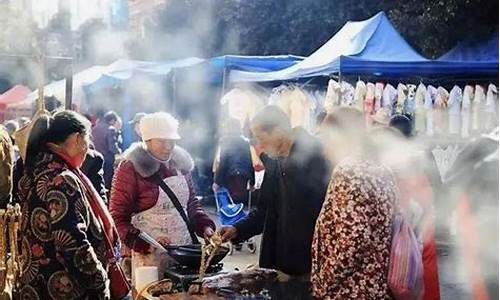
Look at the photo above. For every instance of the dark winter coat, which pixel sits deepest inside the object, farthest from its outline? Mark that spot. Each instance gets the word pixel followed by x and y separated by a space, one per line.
pixel 291 198
pixel 235 160
pixel 93 168
pixel 106 139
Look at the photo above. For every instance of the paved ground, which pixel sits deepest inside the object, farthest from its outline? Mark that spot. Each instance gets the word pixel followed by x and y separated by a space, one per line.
pixel 452 278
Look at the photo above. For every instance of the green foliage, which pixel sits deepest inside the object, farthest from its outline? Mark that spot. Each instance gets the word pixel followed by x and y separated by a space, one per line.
pixel 265 27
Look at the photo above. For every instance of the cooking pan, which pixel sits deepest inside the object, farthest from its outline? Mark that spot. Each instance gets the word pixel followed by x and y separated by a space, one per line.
pixel 190 255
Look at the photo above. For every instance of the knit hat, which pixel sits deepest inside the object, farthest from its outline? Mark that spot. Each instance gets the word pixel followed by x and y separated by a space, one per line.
pixel 160 125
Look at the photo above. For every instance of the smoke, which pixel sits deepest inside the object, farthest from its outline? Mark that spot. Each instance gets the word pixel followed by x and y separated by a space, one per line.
pixel 466 232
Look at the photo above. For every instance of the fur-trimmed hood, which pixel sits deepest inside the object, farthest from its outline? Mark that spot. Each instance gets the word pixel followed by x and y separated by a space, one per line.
pixel 146 165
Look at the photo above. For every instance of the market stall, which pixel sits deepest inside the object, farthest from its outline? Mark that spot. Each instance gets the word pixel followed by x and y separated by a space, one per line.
pixel 11 97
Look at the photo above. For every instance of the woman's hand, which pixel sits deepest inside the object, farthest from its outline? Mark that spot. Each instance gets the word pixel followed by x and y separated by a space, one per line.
pixel 164 241
pixel 208 233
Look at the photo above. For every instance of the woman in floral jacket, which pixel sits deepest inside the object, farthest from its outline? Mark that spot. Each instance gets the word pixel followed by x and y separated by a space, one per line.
pixel 352 239
pixel 63 245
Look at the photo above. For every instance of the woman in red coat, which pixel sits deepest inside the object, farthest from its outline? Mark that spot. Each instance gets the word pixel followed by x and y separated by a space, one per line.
pixel 138 204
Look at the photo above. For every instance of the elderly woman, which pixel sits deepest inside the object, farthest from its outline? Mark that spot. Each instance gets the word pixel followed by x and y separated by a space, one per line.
pixel 352 239
pixel 138 204
pixel 67 235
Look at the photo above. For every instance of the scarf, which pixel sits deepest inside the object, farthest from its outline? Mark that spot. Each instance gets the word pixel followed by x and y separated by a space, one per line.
pixel 97 205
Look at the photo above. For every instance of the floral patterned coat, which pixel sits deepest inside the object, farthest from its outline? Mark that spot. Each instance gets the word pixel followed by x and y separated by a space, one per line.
pixel 352 239
pixel 63 251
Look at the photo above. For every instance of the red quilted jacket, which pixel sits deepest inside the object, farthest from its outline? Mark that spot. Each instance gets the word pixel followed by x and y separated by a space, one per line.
pixel 134 191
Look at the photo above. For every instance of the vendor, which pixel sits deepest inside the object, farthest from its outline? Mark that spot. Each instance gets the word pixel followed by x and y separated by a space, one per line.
pixel 138 204
pixel 291 195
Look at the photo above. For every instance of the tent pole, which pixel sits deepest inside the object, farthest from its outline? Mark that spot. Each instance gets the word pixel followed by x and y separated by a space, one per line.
pixel 222 93
pixel 174 91
pixel 69 87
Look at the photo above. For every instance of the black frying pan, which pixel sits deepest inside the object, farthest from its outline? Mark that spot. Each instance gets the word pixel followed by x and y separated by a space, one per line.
pixel 190 255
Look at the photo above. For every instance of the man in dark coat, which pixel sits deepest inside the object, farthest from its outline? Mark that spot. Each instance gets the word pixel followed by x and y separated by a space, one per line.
pixel 93 168
pixel 235 170
pixel 106 138
pixel 291 197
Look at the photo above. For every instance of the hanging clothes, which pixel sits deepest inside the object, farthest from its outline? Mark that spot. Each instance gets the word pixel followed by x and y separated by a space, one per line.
pixel 295 103
pixel 333 95
pixel 491 108
pixel 420 108
pixel 359 94
pixel 348 91
pixel 400 102
pixel 466 111
pixel 242 104
pixel 409 105
pixel 454 107
pixel 389 96
pixel 379 92
pixel 430 97
pixel 478 108
pixel 317 99
pixel 300 109
pixel 369 103
pixel 440 114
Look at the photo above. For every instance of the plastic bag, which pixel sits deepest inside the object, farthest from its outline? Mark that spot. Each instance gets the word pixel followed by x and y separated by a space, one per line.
pixel 406 271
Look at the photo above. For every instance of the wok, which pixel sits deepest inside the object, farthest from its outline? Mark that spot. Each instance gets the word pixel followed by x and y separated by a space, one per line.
pixel 190 255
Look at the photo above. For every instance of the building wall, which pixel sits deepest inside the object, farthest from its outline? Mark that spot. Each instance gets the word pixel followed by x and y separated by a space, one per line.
pixel 140 11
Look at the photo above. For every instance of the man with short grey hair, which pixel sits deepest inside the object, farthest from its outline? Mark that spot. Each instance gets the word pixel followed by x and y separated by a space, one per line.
pixel 291 197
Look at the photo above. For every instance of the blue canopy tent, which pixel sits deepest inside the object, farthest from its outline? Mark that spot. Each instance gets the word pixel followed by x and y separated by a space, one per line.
pixel 371 46
pixel 473 58
pixel 213 70
pixel 122 70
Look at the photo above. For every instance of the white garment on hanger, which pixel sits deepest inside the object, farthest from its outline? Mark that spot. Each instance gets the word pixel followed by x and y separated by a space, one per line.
pixel 297 105
pixel 454 107
pixel 242 104
pixel 420 95
pixel 478 108
pixel 409 106
pixel 347 94
pixel 359 94
pixel 379 92
pixel 468 96
pixel 369 103
pixel 491 108
pixel 419 108
pixel 402 93
pixel 429 106
pixel 440 114
pixel 389 96
pixel 333 95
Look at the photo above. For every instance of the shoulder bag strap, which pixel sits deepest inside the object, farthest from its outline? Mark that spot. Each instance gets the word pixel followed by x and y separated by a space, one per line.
pixel 178 206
